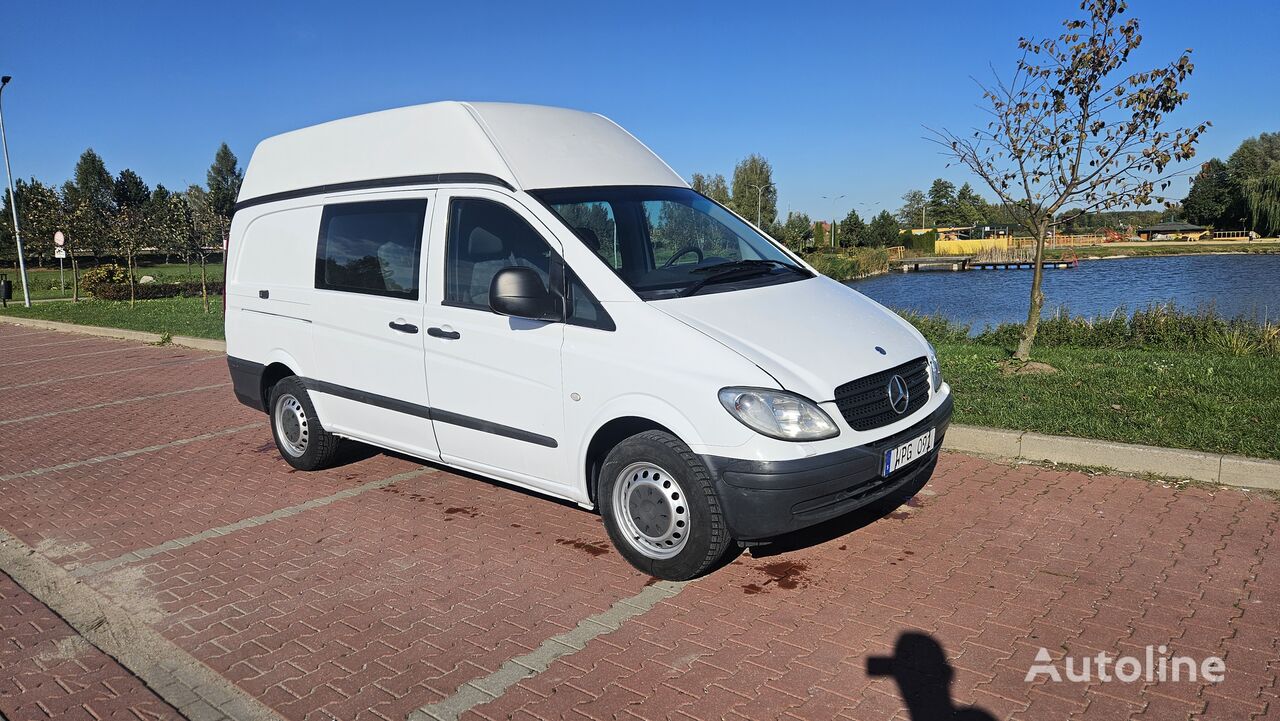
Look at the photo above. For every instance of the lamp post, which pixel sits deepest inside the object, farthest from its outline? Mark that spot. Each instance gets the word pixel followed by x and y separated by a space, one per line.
pixel 833 200
pixel 13 200
pixel 759 198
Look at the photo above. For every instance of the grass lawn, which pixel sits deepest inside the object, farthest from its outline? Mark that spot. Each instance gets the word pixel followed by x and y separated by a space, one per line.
pixel 44 281
pixel 1203 401
pixel 175 316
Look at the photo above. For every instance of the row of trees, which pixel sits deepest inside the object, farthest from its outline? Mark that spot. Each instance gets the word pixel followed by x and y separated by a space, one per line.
pixel 1244 191
pixel 120 216
pixel 753 195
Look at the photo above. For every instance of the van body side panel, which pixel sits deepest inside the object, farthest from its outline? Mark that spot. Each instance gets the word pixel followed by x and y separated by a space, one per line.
pixel 268 317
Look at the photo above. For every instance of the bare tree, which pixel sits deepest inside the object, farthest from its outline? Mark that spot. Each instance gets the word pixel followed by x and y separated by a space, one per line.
pixel 1072 132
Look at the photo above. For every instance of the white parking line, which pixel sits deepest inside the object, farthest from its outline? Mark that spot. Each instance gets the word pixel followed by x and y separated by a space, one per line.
pixel 127 454
pixel 482 691
pixel 106 404
pixel 61 379
pixel 177 543
pixel 73 355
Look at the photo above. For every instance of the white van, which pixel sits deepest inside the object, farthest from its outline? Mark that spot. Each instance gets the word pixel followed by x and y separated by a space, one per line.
pixel 530 294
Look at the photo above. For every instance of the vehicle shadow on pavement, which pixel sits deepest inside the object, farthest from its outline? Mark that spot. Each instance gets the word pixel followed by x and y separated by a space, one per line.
pixel 842 525
pixel 920 668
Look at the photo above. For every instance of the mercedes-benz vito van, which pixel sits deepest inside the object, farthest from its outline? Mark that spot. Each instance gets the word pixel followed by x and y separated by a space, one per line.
pixel 532 295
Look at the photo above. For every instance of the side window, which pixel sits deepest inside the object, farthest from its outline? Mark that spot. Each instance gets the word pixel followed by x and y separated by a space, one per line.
pixel 484 237
pixel 583 308
pixel 371 247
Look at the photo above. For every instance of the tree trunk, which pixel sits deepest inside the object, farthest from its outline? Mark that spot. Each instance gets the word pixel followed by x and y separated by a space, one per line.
pixel 133 293
pixel 75 276
pixel 1037 300
pixel 204 284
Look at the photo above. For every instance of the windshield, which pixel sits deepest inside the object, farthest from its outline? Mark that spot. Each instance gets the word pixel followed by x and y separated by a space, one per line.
pixel 671 242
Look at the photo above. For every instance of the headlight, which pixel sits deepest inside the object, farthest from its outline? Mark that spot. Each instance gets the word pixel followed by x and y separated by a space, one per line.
pixel 935 370
pixel 778 414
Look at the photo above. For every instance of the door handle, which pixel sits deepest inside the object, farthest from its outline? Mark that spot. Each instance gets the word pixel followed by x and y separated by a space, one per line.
pixel 442 333
pixel 403 327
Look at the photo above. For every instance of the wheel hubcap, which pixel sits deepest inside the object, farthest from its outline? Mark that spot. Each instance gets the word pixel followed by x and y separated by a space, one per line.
pixel 651 509
pixel 291 425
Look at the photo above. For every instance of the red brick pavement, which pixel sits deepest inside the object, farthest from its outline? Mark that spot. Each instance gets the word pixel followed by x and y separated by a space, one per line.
pixel 381 603
pixel 48 672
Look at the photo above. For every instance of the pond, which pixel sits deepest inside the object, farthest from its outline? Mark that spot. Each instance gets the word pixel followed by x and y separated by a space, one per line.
pixel 1233 285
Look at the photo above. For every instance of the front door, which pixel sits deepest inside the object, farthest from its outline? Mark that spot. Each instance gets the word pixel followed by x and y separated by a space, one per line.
pixel 494 381
pixel 368 378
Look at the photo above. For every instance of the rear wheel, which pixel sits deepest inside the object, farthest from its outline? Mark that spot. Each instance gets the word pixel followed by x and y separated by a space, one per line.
pixel 301 440
pixel 660 507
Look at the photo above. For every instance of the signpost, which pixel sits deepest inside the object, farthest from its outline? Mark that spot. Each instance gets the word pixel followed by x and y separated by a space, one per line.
pixel 60 252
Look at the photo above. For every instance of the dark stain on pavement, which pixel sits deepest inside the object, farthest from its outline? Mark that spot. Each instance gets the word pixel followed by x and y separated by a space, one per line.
pixel 594 548
pixel 781 574
pixel 468 511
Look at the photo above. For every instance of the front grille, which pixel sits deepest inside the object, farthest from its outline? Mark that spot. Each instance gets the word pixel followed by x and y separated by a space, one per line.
pixel 864 402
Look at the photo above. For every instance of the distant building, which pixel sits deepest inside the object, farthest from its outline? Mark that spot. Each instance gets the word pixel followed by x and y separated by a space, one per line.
pixel 1171 230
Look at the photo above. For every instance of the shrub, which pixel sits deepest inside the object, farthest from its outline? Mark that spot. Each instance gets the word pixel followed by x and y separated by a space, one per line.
pixel 849 263
pixel 108 273
pixel 151 291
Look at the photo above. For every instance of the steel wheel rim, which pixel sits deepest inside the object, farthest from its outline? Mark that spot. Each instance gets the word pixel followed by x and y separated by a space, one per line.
pixel 652 510
pixel 291 425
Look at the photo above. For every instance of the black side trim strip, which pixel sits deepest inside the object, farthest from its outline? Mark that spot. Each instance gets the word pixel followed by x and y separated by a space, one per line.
pixel 434 179
pixel 431 414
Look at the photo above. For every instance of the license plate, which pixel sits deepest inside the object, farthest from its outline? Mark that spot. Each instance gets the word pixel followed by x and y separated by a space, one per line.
pixel 905 453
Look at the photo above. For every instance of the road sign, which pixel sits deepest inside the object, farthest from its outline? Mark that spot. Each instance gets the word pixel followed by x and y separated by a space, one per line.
pixel 59 253
pixel 59 240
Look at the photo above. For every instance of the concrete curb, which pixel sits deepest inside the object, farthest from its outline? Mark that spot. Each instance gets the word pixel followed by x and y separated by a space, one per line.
pixel 105 332
pixel 1219 468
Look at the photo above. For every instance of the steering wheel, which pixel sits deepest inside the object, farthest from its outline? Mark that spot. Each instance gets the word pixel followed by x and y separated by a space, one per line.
pixel 683 252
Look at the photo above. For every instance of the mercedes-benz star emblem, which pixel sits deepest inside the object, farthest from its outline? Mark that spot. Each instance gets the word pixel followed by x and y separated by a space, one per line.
pixel 899 396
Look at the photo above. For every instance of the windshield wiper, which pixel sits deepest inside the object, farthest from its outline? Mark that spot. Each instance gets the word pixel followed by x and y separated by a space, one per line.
pixel 746 263
pixel 736 270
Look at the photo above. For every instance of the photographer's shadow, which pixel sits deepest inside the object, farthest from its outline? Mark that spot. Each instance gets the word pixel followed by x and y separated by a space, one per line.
pixel 920 668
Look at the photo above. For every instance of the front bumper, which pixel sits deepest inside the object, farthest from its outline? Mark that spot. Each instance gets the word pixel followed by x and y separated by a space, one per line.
pixel 763 499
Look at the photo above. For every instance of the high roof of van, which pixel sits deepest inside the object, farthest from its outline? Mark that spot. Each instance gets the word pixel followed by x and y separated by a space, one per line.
pixel 524 146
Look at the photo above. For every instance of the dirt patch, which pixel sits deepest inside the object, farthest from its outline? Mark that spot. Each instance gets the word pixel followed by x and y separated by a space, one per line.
pixel 65 649
pixel 130 588
pixel 592 548
pixel 55 548
pixel 1030 368
pixel 468 511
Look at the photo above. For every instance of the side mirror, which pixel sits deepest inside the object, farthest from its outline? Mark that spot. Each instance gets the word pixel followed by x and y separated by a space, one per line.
pixel 518 291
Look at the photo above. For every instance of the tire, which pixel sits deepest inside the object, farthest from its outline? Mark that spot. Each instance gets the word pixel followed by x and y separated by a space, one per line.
pixel 303 443
pixel 660 507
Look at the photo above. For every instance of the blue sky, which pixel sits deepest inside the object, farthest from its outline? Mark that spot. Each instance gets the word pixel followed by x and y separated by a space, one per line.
pixel 835 95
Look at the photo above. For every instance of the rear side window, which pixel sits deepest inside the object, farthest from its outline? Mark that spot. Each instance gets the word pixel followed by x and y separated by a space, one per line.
pixel 371 247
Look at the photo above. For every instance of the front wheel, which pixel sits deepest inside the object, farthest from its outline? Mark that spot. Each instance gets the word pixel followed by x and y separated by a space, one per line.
pixel 660 507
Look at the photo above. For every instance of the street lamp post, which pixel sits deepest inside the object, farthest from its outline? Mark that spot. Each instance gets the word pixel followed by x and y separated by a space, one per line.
pixel 13 201
pixel 759 198
pixel 834 200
